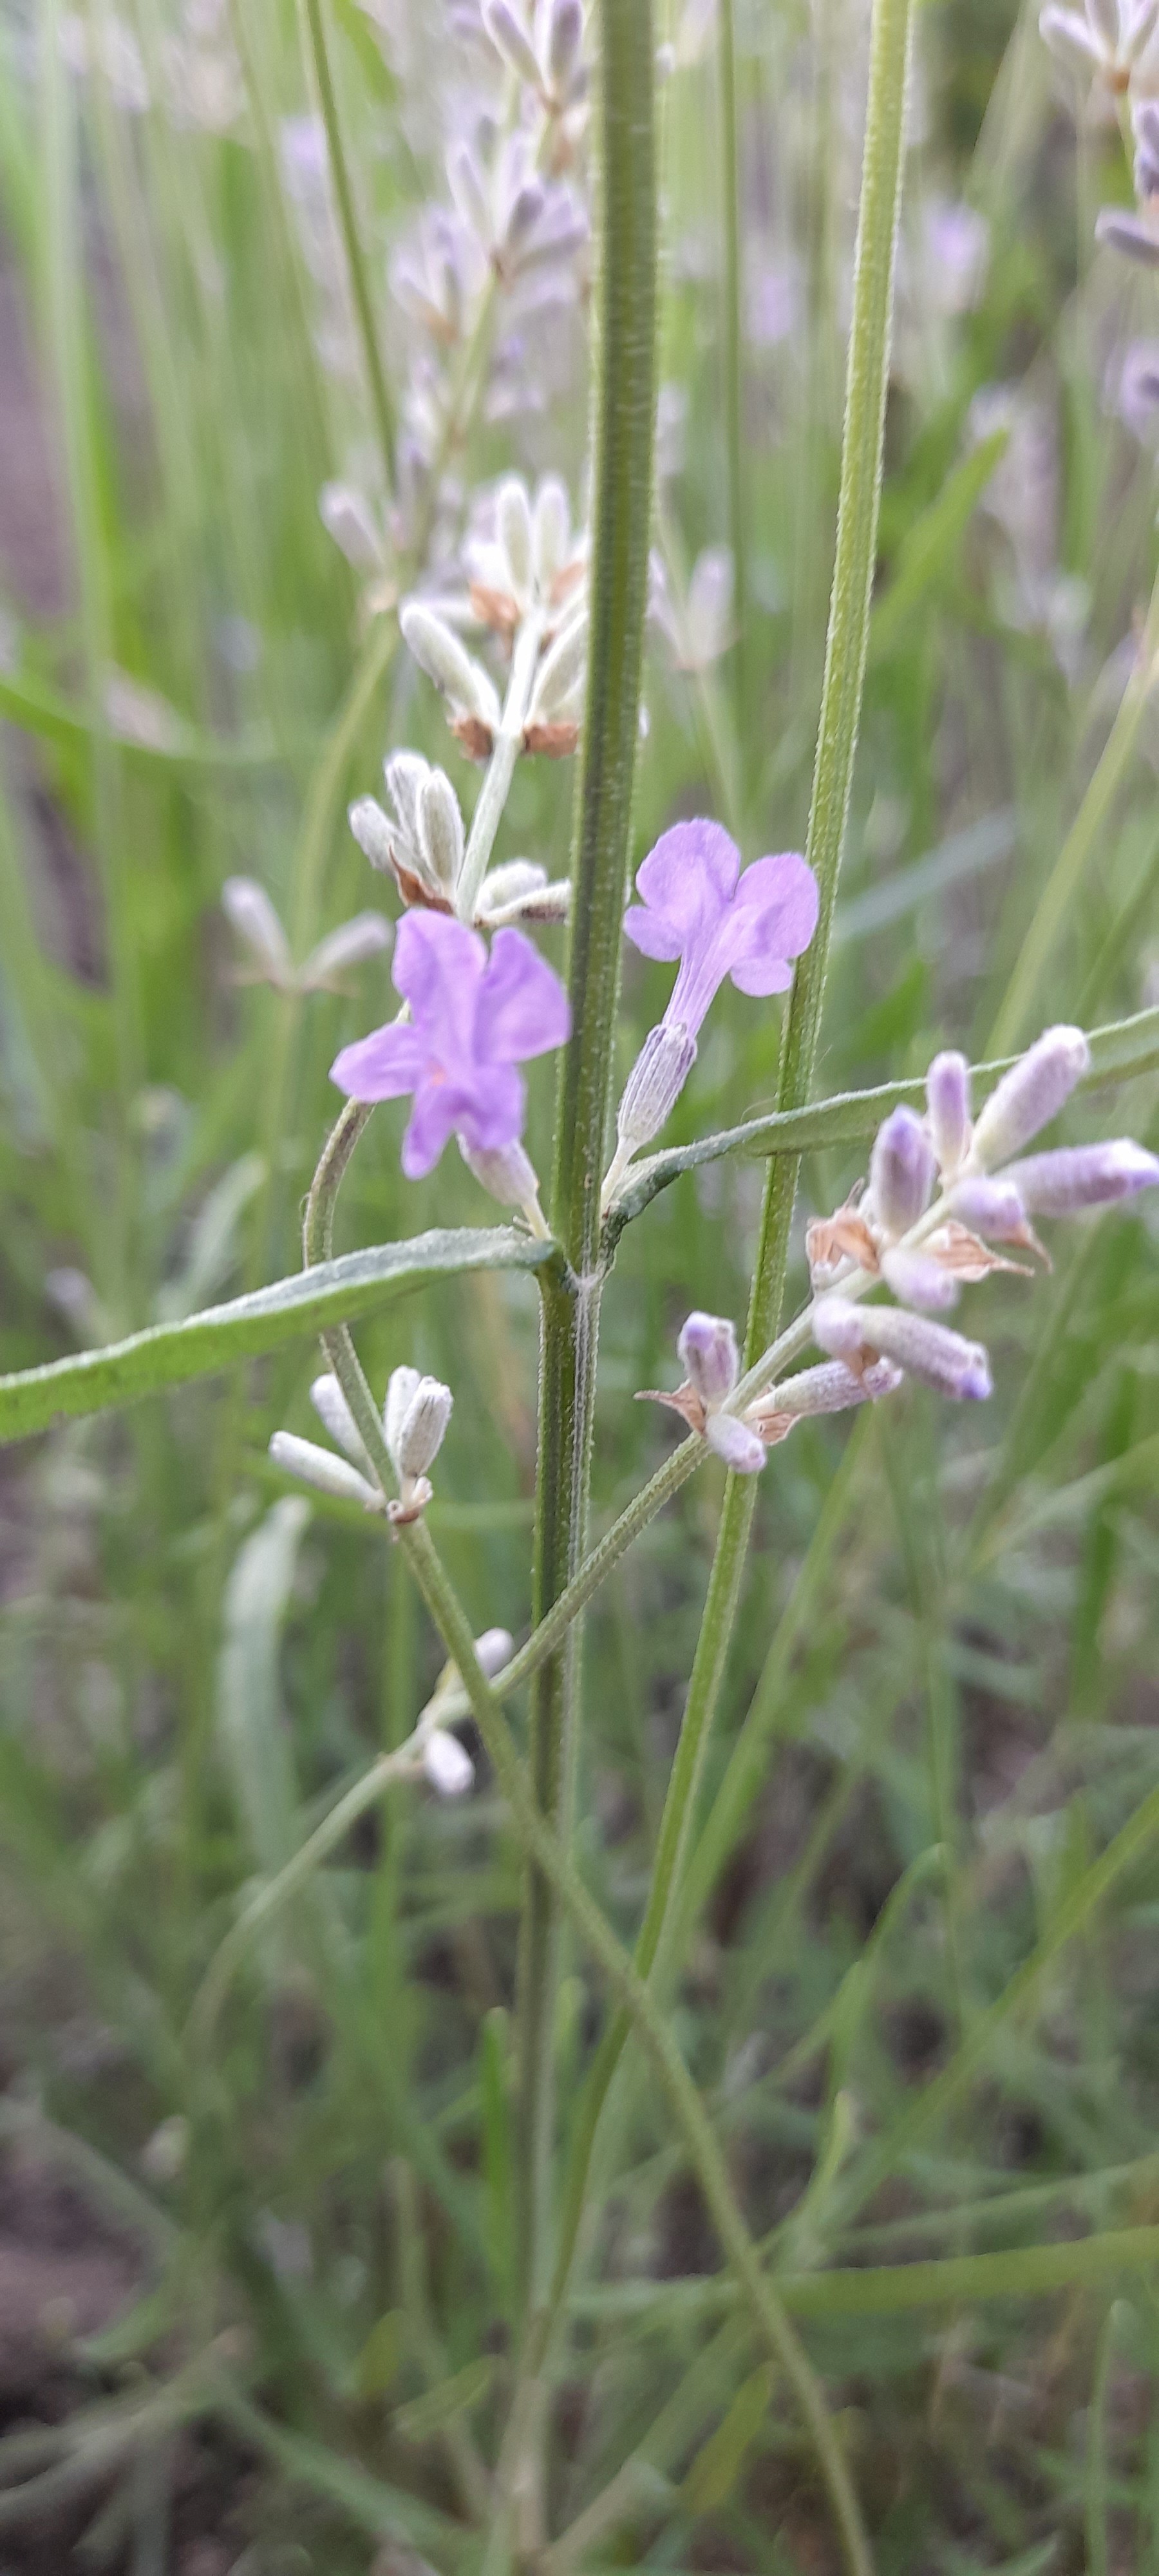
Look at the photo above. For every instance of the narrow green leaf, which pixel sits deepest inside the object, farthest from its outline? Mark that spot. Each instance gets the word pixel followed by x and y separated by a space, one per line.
pixel 378 2363
pixel 252 1730
pixel 441 2405
pixel 717 2466
pixel 310 1301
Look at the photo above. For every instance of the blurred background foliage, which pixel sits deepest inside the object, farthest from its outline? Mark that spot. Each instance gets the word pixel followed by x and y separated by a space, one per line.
pixel 260 2291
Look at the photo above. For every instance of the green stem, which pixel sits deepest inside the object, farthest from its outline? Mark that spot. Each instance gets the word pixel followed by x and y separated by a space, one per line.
pixel 380 401
pixel 624 405
pixel 738 532
pixel 496 786
pixel 837 738
pixel 541 1842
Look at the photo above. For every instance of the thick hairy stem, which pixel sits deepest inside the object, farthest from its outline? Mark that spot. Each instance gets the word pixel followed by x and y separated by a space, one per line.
pixel 536 1833
pixel 624 395
pixel 868 370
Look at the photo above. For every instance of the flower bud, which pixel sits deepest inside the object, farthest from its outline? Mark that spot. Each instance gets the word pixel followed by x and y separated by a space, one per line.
pixel 1083 1176
pixel 562 670
pixel 373 832
pixel 320 1468
pixel 550 532
pixel 446 661
pixel 901 1172
pixel 417 1412
pixel 508 1172
pixel 564 37
pixel 346 517
pixel 1132 234
pixel 655 1082
pixel 335 1415
pixel 513 529
pixel 736 1442
pixel 469 190
pixel 832 1388
pixel 1030 1095
pixel 509 39
pixel 440 829
pixel 940 1358
pixel 918 1280
pixel 520 890
pixel 248 910
pixel 494 1649
pixel 447 1763
pixel 948 1103
pixel 991 1208
pixel 707 1348
pixel 350 945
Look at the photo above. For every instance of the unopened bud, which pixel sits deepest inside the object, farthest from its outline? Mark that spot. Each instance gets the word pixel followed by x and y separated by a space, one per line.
pixel 373 831
pixel 901 1172
pixel 346 517
pixel 550 532
pixel 948 1102
pixel 249 911
pixel 513 529
pixel 446 661
pixel 508 1172
pixel 741 1448
pixel 447 1764
pixel 526 208
pixel 1132 234
pixel 366 936
pixel 561 671
pixel 655 1082
pixel 832 1388
pixel 707 1347
pixel 494 1649
pixel 918 1280
pixel 509 39
pixel 469 189
pixel 417 1412
pixel 1030 1095
pixel 991 1208
pixel 940 1358
pixel 1083 1176
pixel 440 829
pixel 320 1468
pixel 564 37
pixel 335 1415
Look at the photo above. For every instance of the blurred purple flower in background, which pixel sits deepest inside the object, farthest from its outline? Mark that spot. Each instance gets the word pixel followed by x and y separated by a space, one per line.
pixel 473 1018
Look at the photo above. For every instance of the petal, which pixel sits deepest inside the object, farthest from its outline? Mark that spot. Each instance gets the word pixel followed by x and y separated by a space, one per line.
pixel 522 1008
pixel 390 1061
pixel 653 933
pixel 773 919
pixel 689 878
pixel 433 1118
pixel 438 968
pixel 491 1116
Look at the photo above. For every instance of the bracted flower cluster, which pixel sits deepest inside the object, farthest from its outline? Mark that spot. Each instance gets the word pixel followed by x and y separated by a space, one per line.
pixel 415 1418
pixel 422 845
pixel 1107 37
pixel 525 573
pixel 257 924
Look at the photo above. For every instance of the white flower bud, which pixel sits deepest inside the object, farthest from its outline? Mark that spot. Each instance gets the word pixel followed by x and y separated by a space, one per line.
pixel 1030 1095
pixel 562 670
pixel 655 1083
pixel 335 1415
pixel 508 38
pixel 469 190
pixel 373 832
pixel 447 1764
pixel 320 1468
pixel 494 1649
pixel 350 945
pixel 440 829
pixel 418 1410
pixel 507 1171
pixel 513 529
pixel 406 773
pixel 249 911
pixel 550 532
pixel 446 661
pixel 347 518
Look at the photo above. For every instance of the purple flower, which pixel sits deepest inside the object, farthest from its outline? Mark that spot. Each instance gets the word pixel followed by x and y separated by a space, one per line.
pixel 940 1358
pixel 1082 1176
pixel 473 1018
pixel 698 907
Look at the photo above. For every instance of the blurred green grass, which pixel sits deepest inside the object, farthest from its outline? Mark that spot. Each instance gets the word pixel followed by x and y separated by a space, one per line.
pixel 955 1642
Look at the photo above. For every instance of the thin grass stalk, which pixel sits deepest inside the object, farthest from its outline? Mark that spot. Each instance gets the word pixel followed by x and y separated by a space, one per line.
pixel 360 296
pixel 624 406
pixel 868 372
pixel 730 175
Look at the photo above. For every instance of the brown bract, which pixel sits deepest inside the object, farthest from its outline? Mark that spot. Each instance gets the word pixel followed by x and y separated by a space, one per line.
pixel 843 1237
pixel 475 736
pixel 414 892
pixel 686 1402
pixel 495 608
pixel 555 741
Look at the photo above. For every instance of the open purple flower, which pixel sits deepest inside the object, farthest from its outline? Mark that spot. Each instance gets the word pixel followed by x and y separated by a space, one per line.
pixel 473 1018
pixel 699 907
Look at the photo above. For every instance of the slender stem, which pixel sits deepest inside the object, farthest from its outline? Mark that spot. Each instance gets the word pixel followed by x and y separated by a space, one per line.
pixel 377 387
pixel 868 370
pixel 738 530
pixel 496 786
pixel 536 1834
pixel 624 405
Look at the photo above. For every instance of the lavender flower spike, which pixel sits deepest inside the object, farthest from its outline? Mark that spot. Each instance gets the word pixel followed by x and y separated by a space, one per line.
pixel 940 1358
pixel 1082 1176
pixel 698 907
pixel 1030 1095
pixel 473 1018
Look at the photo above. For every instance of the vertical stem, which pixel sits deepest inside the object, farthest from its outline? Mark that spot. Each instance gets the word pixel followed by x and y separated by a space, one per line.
pixel 738 532
pixel 377 387
pixel 624 404
pixel 866 381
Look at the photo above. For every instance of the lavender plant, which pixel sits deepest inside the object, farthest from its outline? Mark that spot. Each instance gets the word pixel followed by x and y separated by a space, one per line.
pixel 530 628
